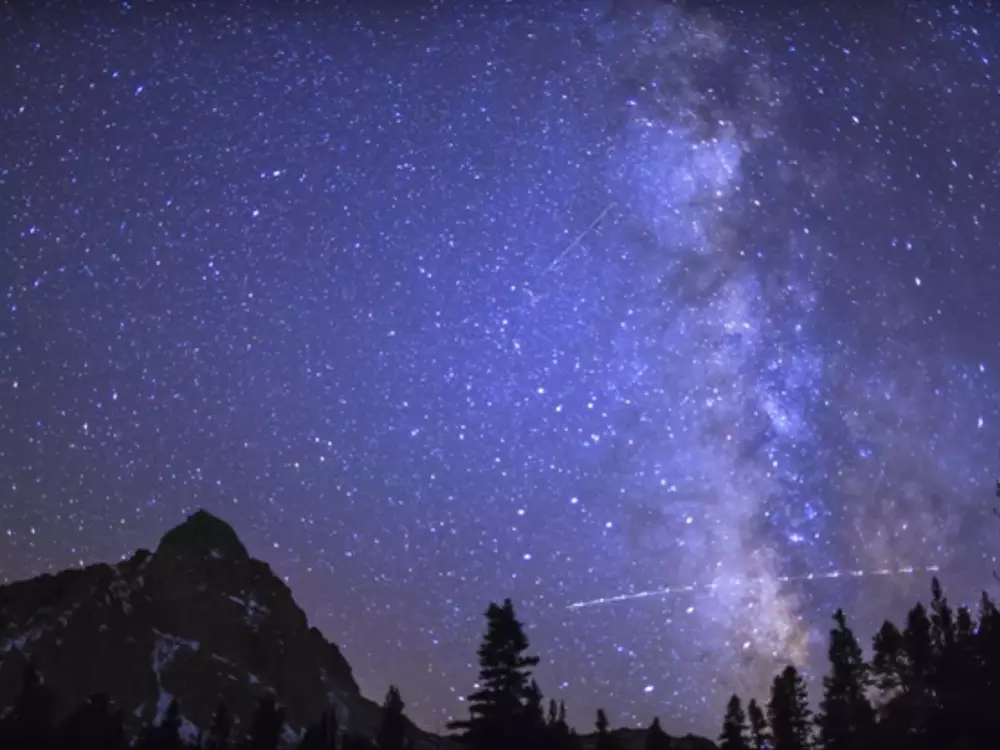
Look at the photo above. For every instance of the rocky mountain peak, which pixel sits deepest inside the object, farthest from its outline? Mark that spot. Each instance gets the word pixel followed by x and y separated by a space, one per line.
pixel 202 535
pixel 198 620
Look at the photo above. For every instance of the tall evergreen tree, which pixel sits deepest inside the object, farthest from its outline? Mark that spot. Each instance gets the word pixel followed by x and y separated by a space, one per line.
pixel 267 725
pixel 988 635
pixel 323 735
pixel 656 738
pixel 918 704
pixel 95 724
pixel 557 734
pixel 888 661
pixel 166 734
pixel 28 725
pixel 942 619
pixel 553 715
pixel 788 711
pixel 356 742
pixel 955 721
pixel 918 646
pixel 392 732
pixel 760 736
pixel 604 739
pixel 734 735
pixel 846 720
pixel 889 670
pixel 496 709
pixel 219 731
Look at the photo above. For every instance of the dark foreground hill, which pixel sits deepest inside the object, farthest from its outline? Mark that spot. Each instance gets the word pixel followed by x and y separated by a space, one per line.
pixel 198 619
pixel 635 739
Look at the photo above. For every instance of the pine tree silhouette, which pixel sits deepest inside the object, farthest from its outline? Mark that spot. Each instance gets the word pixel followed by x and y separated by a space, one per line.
pixel 656 738
pixel 760 735
pixel 356 742
pixel 846 720
pixel 553 715
pixel 534 716
pixel 392 732
pixel 557 734
pixel 890 668
pixel 267 725
pixel 496 709
pixel 966 691
pixel 95 724
pixel 955 719
pixel 167 734
pixel 605 741
pixel 988 653
pixel 29 724
pixel 942 619
pixel 323 735
pixel 219 732
pixel 734 735
pixel 918 703
pixel 788 711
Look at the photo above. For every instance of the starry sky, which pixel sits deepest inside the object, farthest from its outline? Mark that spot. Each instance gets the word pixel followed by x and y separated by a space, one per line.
pixel 445 302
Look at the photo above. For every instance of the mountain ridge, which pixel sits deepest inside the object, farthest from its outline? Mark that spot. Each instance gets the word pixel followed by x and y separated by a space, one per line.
pixel 198 619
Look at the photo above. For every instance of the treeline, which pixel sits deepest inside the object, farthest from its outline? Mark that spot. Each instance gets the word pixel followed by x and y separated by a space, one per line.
pixel 932 685
pixel 98 725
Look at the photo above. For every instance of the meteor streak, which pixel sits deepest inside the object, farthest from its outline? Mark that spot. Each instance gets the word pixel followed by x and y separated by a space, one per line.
pixel 738 582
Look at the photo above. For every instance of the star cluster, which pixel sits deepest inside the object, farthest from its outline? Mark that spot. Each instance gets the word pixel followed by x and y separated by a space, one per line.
pixel 450 302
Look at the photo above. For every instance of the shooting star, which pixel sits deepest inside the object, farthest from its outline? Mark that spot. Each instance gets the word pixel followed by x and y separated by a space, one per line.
pixel 579 238
pixel 741 582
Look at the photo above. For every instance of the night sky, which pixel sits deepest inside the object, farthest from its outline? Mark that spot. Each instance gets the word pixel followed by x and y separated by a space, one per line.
pixel 559 301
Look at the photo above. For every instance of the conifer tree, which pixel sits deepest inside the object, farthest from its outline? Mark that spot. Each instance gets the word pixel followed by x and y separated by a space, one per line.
pixel 760 736
pixel 321 736
pixel 889 670
pixel 355 742
pixel 734 735
pixel 267 724
pixel 496 709
pixel 540 729
pixel 553 715
pixel 988 631
pixel 788 711
pixel 28 724
pixel 846 720
pixel 918 703
pixel 955 720
pixel 942 619
pixel 888 661
pixel 165 735
pixel 988 656
pixel 919 648
pixel 604 739
pixel 95 724
pixel 558 735
pixel 392 732
pixel 656 738
pixel 220 730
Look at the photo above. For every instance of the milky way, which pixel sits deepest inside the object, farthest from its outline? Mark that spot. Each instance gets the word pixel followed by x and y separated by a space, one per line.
pixel 451 303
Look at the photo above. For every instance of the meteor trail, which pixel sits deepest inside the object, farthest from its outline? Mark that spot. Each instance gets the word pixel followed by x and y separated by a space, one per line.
pixel 737 582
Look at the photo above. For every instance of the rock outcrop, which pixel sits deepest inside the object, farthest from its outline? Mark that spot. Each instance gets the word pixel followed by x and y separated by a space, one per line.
pixel 198 619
